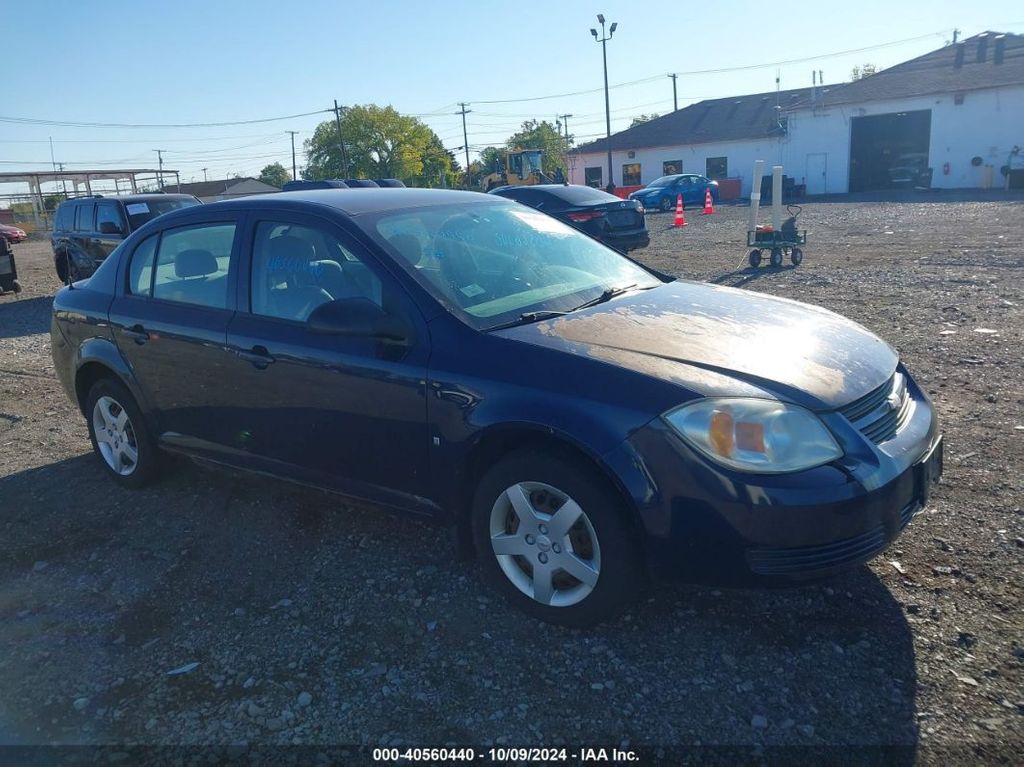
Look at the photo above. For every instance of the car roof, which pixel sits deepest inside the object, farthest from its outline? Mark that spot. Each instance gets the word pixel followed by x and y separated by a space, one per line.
pixel 145 197
pixel 352 202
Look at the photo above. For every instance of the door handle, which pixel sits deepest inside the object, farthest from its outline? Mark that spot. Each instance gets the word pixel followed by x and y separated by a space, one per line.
pixel 258 356
pixel 137 333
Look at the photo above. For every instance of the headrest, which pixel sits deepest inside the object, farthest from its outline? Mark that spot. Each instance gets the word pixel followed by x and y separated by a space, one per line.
pixel 194 263
pixel 408 246
pixel 289 254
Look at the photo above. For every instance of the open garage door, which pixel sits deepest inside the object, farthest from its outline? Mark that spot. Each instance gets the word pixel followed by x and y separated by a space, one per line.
pixel 890 151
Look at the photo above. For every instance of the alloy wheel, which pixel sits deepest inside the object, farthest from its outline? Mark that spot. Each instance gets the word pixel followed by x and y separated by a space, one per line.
pixel 115 436
pixel 545 544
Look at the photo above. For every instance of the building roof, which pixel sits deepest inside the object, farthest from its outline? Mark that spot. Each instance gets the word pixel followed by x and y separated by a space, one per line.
pixel 220 187
pixel 987 60
pixel 728 119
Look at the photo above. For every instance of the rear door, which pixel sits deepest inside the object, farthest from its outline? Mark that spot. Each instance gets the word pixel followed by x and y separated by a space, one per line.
pixel 111 228
pixel 81 237
pixel 344 412
pixel 170 321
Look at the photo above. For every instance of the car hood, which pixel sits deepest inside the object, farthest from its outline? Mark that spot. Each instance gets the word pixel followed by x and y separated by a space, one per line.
pixel 648 192
pixel 719 341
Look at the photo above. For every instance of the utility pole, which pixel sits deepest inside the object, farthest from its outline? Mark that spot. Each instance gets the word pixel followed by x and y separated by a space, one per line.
pixel 341 141
pixel 160 173
pixel 565 122
pixel 204 174
pixel 295 173
pixel 675 98
pixel 603 39
pixel 465 137
pixel 956 35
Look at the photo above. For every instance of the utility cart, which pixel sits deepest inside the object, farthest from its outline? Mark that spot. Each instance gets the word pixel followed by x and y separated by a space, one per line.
pixel 780 238
pixel 785 242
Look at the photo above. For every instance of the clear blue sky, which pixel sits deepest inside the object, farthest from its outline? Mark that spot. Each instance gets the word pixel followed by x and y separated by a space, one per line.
pixel 192 61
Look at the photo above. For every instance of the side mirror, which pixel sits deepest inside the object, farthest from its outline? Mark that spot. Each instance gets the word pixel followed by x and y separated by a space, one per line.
pixel 358 317
pixel 109 227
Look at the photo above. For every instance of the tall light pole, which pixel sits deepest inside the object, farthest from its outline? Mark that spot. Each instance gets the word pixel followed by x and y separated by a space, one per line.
pixel 160 174
pixel 603 39
pixel 675 98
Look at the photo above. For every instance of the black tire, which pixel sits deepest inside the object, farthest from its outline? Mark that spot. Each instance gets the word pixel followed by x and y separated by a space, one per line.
pixel 776 257
pixel 755 258
pixel 620 580
pixel 61 262
pixel 796 256
pixel 147 464
pixel 666 204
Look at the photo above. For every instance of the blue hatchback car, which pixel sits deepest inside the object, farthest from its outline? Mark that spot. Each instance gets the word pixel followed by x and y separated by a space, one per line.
pixel 662 193
pixel 582 422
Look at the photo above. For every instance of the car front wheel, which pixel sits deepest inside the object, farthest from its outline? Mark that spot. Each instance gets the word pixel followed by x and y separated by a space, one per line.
pixel 553 537
pixel 119 434
pixel 666 204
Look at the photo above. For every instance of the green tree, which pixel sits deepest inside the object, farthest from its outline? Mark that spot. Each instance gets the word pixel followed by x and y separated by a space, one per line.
pixel 859 73
pixel 543 136
pixel 492 159
pixel 379 143
pixel 643 118
pixel 275 175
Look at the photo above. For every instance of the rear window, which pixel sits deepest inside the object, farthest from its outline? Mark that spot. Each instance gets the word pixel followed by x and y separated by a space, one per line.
pixel 581 195
pixel 65 217
pixel 84 216
pixel 142 211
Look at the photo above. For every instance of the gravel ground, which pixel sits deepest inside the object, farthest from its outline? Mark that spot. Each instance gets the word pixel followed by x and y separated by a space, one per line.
pixel 294 618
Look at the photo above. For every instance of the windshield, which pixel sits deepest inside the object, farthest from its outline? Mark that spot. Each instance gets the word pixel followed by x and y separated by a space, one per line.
pixel 493 263
pixel 663 181
pixel 146 210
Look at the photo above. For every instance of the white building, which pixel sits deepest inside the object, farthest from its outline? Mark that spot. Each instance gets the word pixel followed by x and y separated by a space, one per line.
pixel 957 111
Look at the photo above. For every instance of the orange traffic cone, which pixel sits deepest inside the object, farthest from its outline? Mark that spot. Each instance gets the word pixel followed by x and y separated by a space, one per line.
pixel 709 206
pixel 680 218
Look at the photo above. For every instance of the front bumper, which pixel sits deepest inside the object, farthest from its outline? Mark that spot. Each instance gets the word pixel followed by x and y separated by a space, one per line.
pixel 703 522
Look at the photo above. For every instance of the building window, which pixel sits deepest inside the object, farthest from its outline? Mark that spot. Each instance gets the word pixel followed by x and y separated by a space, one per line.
pixel 717 167
pixel 592 176
pixel 631 174
pixel 671 167
pixel 958 98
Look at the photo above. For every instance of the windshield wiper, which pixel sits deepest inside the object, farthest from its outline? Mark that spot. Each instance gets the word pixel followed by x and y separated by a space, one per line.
pixel 607 295
pixel 527 318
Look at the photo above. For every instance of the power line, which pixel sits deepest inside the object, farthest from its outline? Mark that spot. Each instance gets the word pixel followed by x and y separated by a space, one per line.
pixel 78 124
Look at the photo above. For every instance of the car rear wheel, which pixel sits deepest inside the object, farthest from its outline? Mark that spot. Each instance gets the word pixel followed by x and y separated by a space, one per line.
pixel 553 538
pixel 119 434
pixel 62 267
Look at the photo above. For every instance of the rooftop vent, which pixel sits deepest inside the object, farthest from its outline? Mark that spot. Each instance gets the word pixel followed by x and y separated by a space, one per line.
pixel 1000 51
pixel 982 48
pixel 958 61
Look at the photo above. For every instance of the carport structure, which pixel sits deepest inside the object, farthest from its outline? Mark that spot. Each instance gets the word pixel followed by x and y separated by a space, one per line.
pixel 131 177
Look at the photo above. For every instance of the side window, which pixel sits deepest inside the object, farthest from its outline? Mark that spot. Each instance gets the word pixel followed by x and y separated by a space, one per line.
pixel 297 268
pixel 140 272
pixel 109 219
pixel 84 217
pixel 192 265
pixel 65 217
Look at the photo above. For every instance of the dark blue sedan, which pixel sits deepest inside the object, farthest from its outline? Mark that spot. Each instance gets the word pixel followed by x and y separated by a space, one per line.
pixel 582 422
pixel 662 193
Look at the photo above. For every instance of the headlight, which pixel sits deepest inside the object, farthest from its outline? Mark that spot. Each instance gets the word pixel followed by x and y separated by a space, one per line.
pixel 755 435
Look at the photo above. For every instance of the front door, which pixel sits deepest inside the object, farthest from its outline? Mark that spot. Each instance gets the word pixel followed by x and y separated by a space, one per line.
pixel 344 412
pixel 170 323
pixel 817 173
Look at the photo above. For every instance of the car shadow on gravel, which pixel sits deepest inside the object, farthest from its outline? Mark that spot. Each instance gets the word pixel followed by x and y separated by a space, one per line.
pixel 274 590
pixel 25 316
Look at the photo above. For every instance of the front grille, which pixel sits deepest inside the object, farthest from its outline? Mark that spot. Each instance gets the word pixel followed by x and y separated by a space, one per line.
pixel 880 414
pixel 808 559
